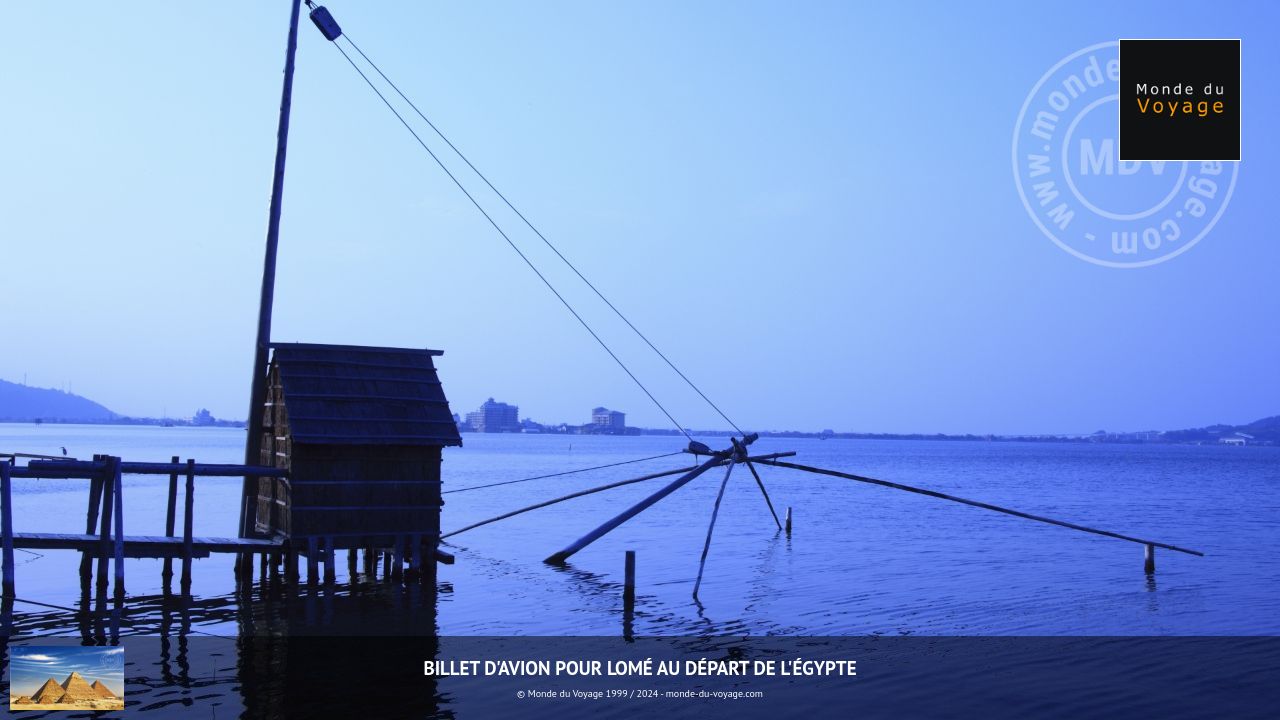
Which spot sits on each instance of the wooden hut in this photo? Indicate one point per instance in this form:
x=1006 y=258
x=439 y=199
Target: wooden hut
x=360 y=430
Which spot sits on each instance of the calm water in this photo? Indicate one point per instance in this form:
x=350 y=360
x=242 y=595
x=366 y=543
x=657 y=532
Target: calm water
x=862 y=560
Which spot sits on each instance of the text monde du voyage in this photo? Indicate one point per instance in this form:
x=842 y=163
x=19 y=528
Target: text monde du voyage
x=1179 y=100
x=648 y=667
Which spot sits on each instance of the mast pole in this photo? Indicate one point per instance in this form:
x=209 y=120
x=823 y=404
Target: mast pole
x=261 y=349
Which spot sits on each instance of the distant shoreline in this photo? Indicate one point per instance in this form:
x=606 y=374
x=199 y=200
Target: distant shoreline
x=1213 y=435
x=159 y=422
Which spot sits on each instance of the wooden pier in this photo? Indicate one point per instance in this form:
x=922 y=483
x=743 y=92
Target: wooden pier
x=104 y=538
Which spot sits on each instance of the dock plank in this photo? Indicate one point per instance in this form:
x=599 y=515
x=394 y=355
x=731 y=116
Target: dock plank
x=144 y=546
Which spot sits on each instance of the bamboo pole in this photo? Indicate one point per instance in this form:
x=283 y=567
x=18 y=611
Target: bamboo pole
x=634 y=510
x=590 y=491
x=570 y=496
x=975 y=503
x=764 y=492
x=715 y=511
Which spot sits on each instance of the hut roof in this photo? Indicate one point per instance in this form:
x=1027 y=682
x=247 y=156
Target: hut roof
x=355 y=395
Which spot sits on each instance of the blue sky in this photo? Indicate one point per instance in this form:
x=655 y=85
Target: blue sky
x=30 y=666
x=808 y=206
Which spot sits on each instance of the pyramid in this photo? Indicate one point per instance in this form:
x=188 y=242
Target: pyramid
x=24 y=700
x=76 y=689
x=102 y=690
x=50 y=692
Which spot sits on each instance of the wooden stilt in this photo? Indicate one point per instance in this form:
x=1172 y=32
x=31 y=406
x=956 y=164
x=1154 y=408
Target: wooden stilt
x=351 y=564
x=262 y=566
x=369 y=561
x=415 y=557
x=188 y=522
x=91 y=520
x=397 y=560
x=170 y=520
x=6 y=529
x=788 y=522
x=1149 y=560
x=386 y=565
x=117 y=481
x=291 y=565
x=330 y=556
x=104 y=528
x=313 y=574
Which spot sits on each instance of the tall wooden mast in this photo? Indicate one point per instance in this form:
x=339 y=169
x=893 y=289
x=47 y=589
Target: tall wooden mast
x=262 y=344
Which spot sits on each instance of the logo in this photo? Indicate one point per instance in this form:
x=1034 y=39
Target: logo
x=1082 y=196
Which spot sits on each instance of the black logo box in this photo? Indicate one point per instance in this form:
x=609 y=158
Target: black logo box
x=1187 y=68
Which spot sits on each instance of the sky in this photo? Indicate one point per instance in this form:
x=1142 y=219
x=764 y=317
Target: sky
x=31 y=666
x=809 y=207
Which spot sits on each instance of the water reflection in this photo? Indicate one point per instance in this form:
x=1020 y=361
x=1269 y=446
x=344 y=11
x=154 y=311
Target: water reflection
x=270 y=649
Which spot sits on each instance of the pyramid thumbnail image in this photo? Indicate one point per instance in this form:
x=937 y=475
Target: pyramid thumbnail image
x=85 y=686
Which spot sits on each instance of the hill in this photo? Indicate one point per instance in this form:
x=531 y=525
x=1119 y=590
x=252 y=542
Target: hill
x=21 y=403
x=1266 y=430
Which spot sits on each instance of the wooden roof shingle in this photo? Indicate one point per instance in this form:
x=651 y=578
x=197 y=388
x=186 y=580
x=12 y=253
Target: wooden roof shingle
x=357 y=395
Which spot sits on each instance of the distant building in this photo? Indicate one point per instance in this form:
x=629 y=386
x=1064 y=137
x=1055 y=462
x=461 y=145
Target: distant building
x=607 y=422
x=494 y=417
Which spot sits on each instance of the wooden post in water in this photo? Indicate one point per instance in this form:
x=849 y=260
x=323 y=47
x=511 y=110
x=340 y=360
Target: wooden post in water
x=170 y=520
x=1149 y=559
x=351 y=564
x=188 y=525
x=91 y=521
x=6 y=528
x=104 y=525
x=788 y=521
x=291 y=565
x=117 y=483
x=330 y=557
x=386 y=565
x=397 y=559
x=415 y=558
x=313 y=574
x=629 y=583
